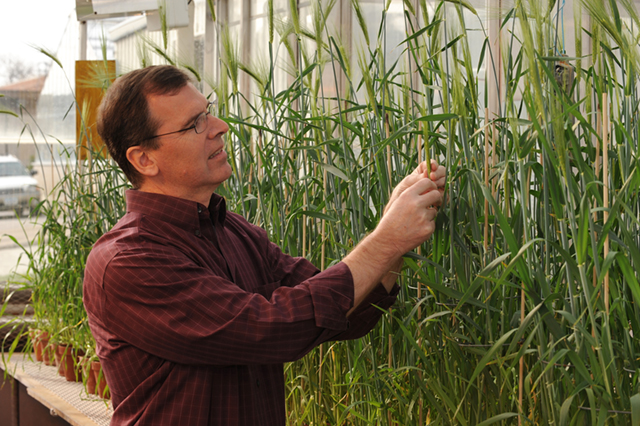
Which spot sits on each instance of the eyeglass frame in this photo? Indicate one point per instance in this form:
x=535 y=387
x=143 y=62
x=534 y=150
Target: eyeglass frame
x=204 y=114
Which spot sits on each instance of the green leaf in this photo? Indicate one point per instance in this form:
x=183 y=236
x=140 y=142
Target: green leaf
x=421 y=31
x=635 y=409
x=437 y=117
x=630 y=275
x=465 y=4
x=482 y=364
x=4 y=111
x=583 y=240
x=564 y=411
x=580 y=367
x=319 y=215
x=335 y=171
x=497 y=418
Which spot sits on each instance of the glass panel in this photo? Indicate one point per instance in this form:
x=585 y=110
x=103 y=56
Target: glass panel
x=283 y=5
x=259 y=54
x=395 y=27
x=259 y=7
x=234 y=35
x=310 y=49
x=259 y=38
x=235 y=10
x=199 y=17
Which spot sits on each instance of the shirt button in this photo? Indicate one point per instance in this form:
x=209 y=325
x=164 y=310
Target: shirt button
x=199 y=209
x=198 y=233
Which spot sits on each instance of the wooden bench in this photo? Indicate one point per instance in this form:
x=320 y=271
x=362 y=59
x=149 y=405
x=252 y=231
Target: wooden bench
x=33 y=394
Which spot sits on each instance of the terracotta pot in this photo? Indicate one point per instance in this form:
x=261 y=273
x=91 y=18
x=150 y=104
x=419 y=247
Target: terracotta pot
x=69 y=363
x=37 y=343
x=47 y=355
x=89 y=378
x=59 y=350
x=101 y=381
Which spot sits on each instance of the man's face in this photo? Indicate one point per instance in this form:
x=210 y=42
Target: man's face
x=191 y=165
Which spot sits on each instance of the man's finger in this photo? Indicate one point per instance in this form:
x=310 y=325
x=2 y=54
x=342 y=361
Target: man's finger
x=432 y=213
x=432 y=198
x=438 y=175
x=423 y=186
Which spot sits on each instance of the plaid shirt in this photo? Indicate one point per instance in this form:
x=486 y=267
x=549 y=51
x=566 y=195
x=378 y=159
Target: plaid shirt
x=194 y=311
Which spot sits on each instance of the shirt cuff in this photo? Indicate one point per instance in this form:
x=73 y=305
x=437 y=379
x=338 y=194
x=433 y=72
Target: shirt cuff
x=332 y=294
x=383 y=298
x=378 y=297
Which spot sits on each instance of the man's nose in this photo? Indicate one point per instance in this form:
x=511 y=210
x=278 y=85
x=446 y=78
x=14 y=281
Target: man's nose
x=217 y=126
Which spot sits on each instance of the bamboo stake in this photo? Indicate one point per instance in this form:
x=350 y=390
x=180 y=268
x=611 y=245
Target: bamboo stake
x=323 y=252
x=252 y=150
x=521 y=376
x=390 y=356
x=322 y=268
x=426 y=150
x=419 y=146
x=305 y=201
x=494 y=161
x=304 y=227
x=260 y=171
x=486 y=180
x=386 y=128
x=597 y=173
x=605 y=196
x=390 y=337
x=323 y=249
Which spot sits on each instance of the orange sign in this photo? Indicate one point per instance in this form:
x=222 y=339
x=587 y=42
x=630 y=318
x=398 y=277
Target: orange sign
x=92 y=80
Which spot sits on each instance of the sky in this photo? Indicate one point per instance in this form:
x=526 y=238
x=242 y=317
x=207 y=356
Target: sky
x=31 y=22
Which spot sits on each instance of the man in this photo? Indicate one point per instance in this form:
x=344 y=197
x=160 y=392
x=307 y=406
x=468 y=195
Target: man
x=193 y=310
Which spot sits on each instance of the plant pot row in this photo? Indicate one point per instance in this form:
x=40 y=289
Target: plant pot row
x=71 y=363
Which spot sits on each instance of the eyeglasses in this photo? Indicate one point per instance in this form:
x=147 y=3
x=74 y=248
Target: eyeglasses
x=199 y=125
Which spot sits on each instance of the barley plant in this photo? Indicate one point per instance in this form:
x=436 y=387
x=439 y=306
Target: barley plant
x=522 y=307
x=86 y=201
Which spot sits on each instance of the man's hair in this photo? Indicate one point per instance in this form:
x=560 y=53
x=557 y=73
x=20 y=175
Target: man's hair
x=123 y=117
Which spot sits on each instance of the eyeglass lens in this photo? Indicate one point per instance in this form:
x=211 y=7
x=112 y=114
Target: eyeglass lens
x=201 y=121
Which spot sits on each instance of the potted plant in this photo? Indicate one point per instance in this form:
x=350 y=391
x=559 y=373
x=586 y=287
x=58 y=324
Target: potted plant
x=88 y=378
x=102 y=388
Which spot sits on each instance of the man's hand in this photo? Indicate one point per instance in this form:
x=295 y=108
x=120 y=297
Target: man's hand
x=408 y=221
x=436 y=173
x=410 y=218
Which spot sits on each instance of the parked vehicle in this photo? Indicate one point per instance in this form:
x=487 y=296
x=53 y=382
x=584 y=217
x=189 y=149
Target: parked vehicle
x=18 y=189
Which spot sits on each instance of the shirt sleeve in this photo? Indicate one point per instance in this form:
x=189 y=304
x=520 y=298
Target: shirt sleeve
x=368 y=313
x=362 y=319
x=160 y=300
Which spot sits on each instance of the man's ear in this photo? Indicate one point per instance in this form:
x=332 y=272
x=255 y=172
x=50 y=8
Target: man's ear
x=142 y=161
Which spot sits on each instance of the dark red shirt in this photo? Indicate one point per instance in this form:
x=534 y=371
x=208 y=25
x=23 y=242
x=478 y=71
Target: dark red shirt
x=194 y=311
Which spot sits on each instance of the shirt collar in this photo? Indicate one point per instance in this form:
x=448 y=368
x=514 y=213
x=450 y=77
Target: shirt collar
x=178 y=211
